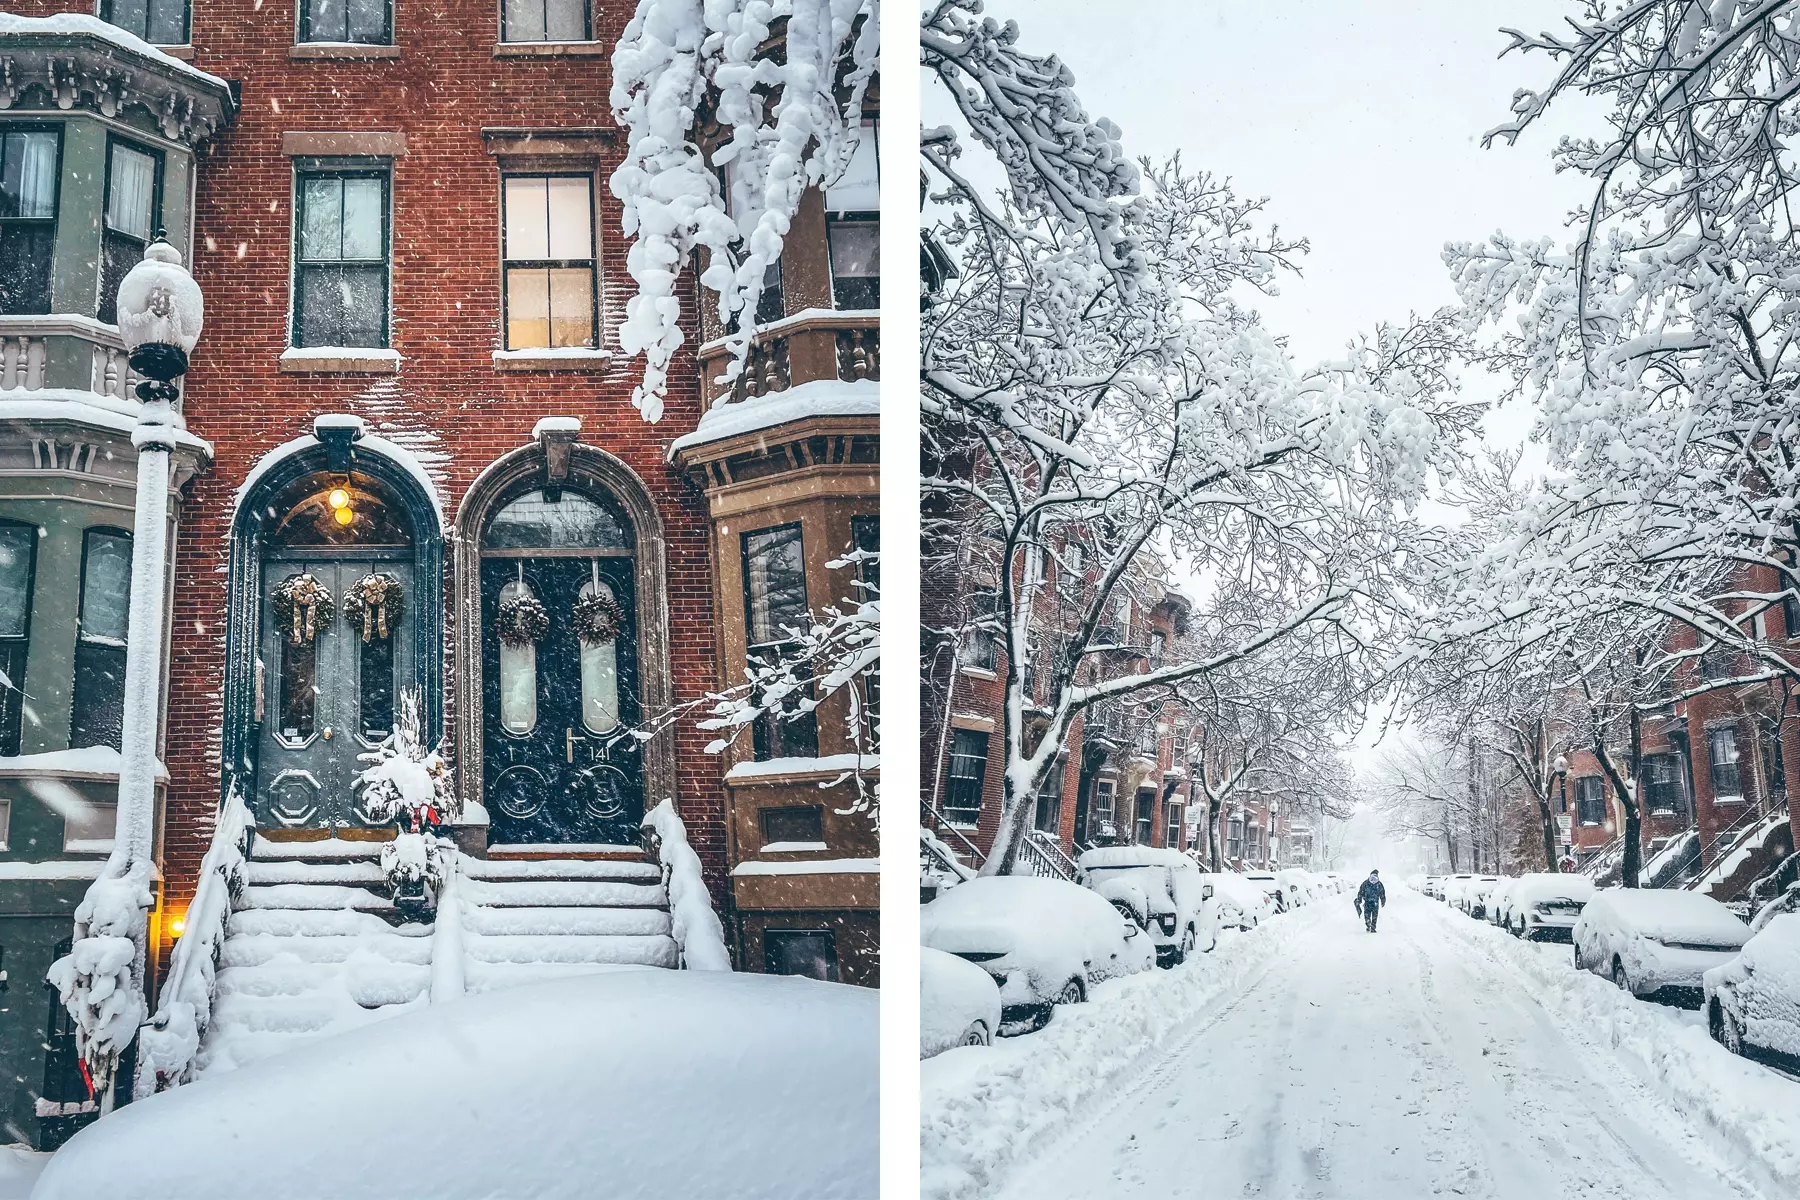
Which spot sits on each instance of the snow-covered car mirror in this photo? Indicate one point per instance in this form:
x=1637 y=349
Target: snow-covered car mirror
x=1206 y=892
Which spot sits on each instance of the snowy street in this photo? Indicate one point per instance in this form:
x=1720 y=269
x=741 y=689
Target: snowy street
x=1419 y=1061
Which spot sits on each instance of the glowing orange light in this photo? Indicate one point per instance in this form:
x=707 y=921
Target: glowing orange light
x=176 y=926
x=344 y=516
x=338 y=499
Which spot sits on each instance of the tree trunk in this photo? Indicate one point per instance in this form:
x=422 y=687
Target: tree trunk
x=1549 y=821
x=1213 y=808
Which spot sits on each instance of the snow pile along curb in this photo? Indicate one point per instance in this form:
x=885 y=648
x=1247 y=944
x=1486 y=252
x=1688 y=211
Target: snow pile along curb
x=983 y=1109
x=1754 y=1111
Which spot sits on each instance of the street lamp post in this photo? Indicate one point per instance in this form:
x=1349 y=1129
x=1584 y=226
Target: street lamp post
x=160 y=313
x=1560 y=769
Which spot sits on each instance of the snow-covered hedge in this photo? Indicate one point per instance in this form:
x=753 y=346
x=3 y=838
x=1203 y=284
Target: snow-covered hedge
x=696 y=926
x=982 y=1110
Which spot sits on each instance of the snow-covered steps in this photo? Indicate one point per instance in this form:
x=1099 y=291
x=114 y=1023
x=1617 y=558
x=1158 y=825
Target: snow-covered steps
x=313 y=948
x=527 y=920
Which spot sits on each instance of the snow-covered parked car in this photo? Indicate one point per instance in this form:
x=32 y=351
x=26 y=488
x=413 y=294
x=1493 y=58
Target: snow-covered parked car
x=1266 y=881
x=1545 y=905
x=1434 y=886
x=1179 y=911
x=505 y=1094
x=1242 y=902
x=1657 y=943
x=1497 y=901
x=959 y=1003
x=1453 y=889
x=1045 y=941
x=1297 y=887
x=1753 y=1001
x=1474 y=896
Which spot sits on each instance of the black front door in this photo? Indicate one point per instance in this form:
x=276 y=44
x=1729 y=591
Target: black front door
x=558 y=763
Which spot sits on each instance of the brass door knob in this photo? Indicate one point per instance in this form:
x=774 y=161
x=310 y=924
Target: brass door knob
x=328 y=733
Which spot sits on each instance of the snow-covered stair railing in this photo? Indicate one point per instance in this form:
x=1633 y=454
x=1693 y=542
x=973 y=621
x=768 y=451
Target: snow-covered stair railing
x=695 y=925
x=170 y=1041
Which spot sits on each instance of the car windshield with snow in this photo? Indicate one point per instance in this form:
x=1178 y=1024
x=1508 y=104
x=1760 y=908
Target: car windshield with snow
x=1179 y=910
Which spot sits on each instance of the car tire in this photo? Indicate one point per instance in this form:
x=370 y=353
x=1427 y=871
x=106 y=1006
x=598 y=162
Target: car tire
x=1189 y=940
x=1619 y=978
x=1724 y=1030
x=1072 y=993
x=976 y=1035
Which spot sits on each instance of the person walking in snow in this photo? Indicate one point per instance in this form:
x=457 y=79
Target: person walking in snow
x=1369 y=899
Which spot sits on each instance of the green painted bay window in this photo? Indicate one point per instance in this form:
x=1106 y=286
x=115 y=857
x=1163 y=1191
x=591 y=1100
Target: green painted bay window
x=133 y=210
x=18 y=569
x=99 y=710
x=28 y=193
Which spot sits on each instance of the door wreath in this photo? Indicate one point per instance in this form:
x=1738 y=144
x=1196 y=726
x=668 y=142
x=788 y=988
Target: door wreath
x=375 y=602
x=303 y=608
x=598 y=619
x=522 y=620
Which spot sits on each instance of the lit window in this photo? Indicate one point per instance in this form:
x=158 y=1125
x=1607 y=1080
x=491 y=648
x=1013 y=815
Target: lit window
x=549 y=261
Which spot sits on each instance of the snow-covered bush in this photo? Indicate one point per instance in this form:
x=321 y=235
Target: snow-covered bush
x=416 y=863
x=98 y=981
x=784 y=80
x=695 y=925
x=407 y=780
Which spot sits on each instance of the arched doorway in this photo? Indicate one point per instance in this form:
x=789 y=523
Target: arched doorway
x=335 y=614
x=558 y=762
x=547 y=739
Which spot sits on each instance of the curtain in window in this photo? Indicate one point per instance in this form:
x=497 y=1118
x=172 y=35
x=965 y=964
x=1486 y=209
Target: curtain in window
x=131 y=192
x=28 y=186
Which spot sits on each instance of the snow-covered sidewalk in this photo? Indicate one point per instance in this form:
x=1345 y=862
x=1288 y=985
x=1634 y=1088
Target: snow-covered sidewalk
x=983 y=1109
x=1437 y=1057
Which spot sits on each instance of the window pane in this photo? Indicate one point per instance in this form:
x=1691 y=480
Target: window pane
x=130 y=192
x=118 y=254
x=28 y=175
x=527 y=219
x=774 y=583
x=88 y=827
x=377 y=679
x=599 y=678
x=12 y=661
x=571 y=220
x=363 y=211
x=98 y=715
x=321 y=219
x=573 y=520
x=168 y=23
x=571 y=306
x=793 y=823
x=518 y=678
x=527 y=308
x=368 y=21
x=524 y=20
x=325 y=21
x=567 y=20
x=855 y=248
x=858 y=189
x=128 y=15
x=106 y=587
x=812 y=954
x=25 y=257
x=18 y=546
x=342 y=306
x=299 y=699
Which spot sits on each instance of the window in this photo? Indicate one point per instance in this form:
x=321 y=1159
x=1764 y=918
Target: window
x=133 y=200
x=981 y=649
x=1723 y=751
x=544 y=21
x=1790 y=614
x=808 y=952
x=341 y=258
x=968 y=774
x=1662 y=784
x=549 y=222
x=362 y=22
x=5 y=825
x=1146 y=814
x=1105 y=800
x=865 y=539
x=1774 y=770
x=853 y=227
x=1590 y=800
x=792 y=823
x=1716 y=663
x=1159 y=642
x=18 y=562
x=1146 y=742
x=775 y=611
x=159 y=22
x=99 y=710
x=28 y=177
x=1049 y=798
x=88 y=828
x=1234 y=838
x=1172 y=825
x=64 y=1082
x=1253 y=842
x=375 y=691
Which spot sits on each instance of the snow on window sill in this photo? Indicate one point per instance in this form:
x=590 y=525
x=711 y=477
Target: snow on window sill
x=342 y=50
x=794 y=847
x=88 y=846
x=978 y=673
x=552 y=358
x=340 y=360
x=816 y=866
x=537 y=49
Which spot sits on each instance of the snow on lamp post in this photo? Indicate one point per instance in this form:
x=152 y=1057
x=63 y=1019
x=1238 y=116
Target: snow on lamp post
x=101 y=981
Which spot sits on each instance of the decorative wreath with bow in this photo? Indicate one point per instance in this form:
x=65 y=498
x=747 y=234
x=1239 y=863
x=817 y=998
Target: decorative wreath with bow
x=522 y=620
x=375 y=602
x=598 y=618
x=303 y=608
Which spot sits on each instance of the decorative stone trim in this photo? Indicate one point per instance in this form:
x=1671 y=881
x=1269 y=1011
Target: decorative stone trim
x=296 y=143
x=340 y=50
x=588 y=361
x=520 y=142
x=550 y=49
x=346 y=361
x=62 y=69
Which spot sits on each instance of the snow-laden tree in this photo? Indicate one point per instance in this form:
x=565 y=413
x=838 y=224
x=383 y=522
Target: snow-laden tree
x=1661 y=341
x=1423 y=787
x=1090 y=376
x=764 y=97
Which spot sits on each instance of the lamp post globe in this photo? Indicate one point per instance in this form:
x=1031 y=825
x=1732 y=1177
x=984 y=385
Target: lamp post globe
x=161 y=313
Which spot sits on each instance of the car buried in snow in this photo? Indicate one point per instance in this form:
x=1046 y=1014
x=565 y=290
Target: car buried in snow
x=1163 y=890
x=1474 y=896
x=1753 y=1001
x=1544 y=905
x=1266 y=881
x=1242 y=902
x=1297 y=887
x=1046 y=942
x=1657 y=943
x=959 y=1003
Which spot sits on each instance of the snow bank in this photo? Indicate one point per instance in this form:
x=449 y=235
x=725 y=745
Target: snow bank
x=636 y=1084
x=1752 y=1111
x=983 y=1110
x=696 y=926
x=953 y=994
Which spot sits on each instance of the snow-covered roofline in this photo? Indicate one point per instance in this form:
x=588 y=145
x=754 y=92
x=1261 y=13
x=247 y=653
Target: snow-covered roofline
x=815 y=398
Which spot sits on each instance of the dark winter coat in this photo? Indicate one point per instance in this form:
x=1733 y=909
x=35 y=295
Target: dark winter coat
x=1371 y=892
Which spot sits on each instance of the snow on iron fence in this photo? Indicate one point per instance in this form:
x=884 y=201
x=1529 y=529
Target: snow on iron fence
x=168 y=1044
x=696 y=926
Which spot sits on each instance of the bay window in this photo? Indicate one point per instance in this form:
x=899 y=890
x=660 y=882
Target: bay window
x=853 y=227
x=99 y=708
x=133 y=197
x=28 y=191
x=775 y=614
x=18 y=562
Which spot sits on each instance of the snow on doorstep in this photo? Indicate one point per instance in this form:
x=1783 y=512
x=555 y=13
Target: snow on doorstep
x=707 y=1077
x=815 y=866
x=817 y=398
x=833 y=763
x=82 y=868
x=83 y=23
x=101 y=762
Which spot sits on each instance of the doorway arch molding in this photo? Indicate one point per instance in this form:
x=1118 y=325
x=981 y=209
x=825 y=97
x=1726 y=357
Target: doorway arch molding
x=337 y=446
x=553 y=462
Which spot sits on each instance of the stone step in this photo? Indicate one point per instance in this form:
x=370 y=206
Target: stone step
x=525 y=922
x=501 y=869
x=343 y=985
x=562 y=894
x=306 y=896
x=481 y=977
x=356 y=871
x=315 y=922
x=339 y=849
x=625 y=950
x=357 y=949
